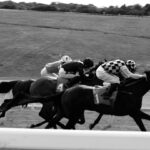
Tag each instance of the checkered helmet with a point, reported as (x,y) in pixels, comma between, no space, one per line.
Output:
(66,58)
(131,65)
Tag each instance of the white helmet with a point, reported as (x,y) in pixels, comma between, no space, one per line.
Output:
(66,58)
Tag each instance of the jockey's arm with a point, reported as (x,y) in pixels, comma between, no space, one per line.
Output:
(57,63)
(43,72)
(127,74)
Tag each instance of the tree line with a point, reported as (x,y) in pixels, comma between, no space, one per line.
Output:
(91,9)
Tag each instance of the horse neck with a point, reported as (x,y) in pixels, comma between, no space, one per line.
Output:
(140,88)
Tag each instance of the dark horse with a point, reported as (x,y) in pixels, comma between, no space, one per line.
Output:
(40,87)
(128,102)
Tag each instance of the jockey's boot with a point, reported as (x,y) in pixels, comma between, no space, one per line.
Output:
(113,87)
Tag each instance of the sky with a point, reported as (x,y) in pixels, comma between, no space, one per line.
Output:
(98,3)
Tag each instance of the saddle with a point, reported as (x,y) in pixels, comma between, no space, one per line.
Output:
(99,98)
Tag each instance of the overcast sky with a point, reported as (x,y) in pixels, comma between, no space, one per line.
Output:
(98,3)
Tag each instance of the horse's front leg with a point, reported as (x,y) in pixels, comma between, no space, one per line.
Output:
(138,121)
(38,124)
(92,125)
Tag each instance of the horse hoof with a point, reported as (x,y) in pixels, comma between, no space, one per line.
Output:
(32,126)
(90,126)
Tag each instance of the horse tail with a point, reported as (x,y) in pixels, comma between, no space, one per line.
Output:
(5,87)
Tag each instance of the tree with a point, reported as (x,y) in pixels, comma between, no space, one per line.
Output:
(8,5)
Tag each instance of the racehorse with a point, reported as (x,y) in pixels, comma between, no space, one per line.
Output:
(128,102)
(42,87)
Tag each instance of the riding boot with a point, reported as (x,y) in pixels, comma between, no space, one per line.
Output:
(113,87)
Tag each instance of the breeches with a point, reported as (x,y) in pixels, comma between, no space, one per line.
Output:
(106,77)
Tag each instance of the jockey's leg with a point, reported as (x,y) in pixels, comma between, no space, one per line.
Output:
(113,87)
(109,78)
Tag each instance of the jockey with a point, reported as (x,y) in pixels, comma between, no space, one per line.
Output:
(74,69)
(110,71)
(51,69)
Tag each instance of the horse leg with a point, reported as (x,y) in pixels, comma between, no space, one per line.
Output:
(54,126)
(38,124)
(71,123)
(55,120)
(144,115)
(52,123)
(61,125)
(81,119)
(92,125)
(139,122)
(2,114)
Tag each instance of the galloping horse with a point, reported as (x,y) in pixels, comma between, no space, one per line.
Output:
(40,87)
(128,102)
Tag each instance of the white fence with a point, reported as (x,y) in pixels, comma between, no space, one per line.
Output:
(42,139)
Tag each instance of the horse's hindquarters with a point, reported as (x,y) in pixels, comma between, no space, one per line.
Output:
(43,87)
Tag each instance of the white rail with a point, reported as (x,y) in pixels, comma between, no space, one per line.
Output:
(42,139)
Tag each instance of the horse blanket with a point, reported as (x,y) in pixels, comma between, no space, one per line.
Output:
(98,92)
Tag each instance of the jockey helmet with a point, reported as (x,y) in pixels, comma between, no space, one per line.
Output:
(66,58)
(131,65)
(88,62)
